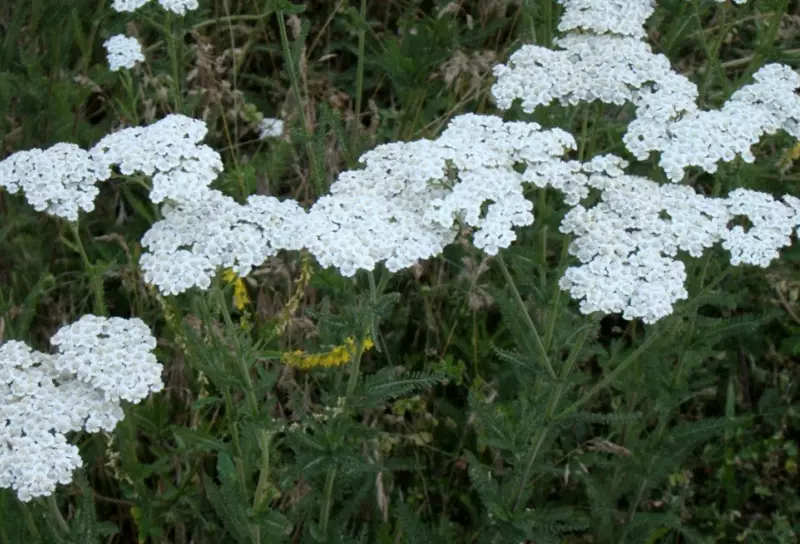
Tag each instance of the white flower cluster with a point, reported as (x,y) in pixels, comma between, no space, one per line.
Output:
(611,64)
(113,355)
(179,7)
(169,151)
(702,138)
(59,180)
(98,362)
(123,52)
(623,17)
(628,241)
(195,239)
(127,5)
(407,204)
(270,128)
(410,199)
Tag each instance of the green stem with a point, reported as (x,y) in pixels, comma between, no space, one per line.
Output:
(611,376)
(540,437)
(131,109)
(95,279)
(551,325)
(552,404)
(237,445)
(360,69)
(172,51)
(548,11)
(375,291)
(330,477)
(263,486)
(263,437)
(664,417)
(244,371)
(325,513)
(528,320)
(29,521)
(295,82)
(55,514)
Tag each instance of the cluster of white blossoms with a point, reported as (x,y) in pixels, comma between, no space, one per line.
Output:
(610,63)
(408,203)
(169,151)
(410,200)
(123,52)
(98,361)
(621,17)
(195,239)
(179,7)
(59,180)
(629,240)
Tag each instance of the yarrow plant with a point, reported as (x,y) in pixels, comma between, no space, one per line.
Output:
(98,363)
(631,241)
(413,199)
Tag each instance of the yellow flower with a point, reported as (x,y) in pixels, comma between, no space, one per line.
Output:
(337,356)
(240,297)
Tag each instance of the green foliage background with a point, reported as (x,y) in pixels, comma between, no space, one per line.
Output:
(489,410)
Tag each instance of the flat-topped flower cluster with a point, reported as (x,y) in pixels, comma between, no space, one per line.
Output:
(412,199)
(179,7)
(98,363)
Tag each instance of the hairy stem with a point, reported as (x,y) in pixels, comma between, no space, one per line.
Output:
(95,278)
(330,477)
(360,69)
(552,404)
(55,513)
(528,320)
(294,79)
(174,59)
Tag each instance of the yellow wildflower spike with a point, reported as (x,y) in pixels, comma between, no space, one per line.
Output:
(337,356)
(241,298)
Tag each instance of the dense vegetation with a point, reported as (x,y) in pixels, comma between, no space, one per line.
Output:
(463,400)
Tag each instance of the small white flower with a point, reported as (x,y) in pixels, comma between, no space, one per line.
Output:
(127,5)
(179,6)
(123,52)
(270,128)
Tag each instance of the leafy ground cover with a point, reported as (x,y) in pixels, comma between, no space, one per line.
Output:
(302,406)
